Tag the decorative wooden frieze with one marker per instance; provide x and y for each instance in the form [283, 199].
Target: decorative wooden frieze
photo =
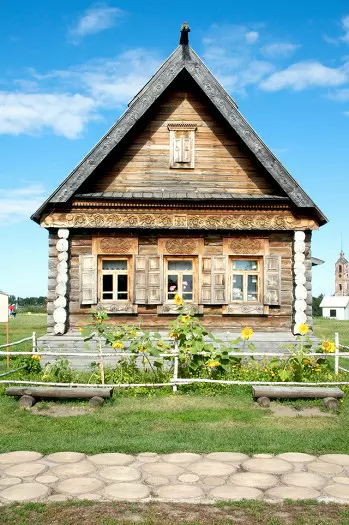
[172, 309]
[118, 308]
[116, 245]
[178, 246]
[224, 221]
[245, 245]
[243, 309]
[60, 303]
[299, 270]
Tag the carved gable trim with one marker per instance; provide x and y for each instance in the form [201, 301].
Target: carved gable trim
[180, 246]
[111, 245]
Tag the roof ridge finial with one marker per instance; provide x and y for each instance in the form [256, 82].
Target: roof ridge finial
[184, 40]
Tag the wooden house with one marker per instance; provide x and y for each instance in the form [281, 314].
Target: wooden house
[180, 196]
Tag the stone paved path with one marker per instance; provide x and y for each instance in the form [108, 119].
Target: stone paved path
[184, 477]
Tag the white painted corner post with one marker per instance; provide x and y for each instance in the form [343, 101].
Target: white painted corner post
[175, 367]
[60, 303]
[299, 271]
[336, 354]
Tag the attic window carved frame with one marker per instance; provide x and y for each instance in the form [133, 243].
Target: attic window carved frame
[182, 144]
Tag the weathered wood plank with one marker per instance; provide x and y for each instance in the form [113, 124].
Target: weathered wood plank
[291, 392]
[59, 392]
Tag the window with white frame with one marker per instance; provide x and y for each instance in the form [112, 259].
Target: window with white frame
[182, 144]
[115, 280]
[179, 276]
[246, 280]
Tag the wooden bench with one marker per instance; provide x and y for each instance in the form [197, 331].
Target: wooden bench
[330, 396]
[29, 395]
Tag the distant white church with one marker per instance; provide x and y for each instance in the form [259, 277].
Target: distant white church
[337, 306]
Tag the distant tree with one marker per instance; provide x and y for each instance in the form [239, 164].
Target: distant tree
[11, 299]
[316, 305]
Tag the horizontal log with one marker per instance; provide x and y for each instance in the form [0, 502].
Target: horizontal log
[59, 392]
[289, 392]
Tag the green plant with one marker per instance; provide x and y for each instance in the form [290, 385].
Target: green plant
[60, 371]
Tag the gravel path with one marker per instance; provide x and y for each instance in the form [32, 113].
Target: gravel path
[182, 477]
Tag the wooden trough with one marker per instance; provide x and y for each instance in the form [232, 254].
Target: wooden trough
[330, 396]
[30, 395]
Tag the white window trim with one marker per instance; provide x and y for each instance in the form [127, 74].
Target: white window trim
[245, 274]
[180, 279]
[190, 129]
[115, 273]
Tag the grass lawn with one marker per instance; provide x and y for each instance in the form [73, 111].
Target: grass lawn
[326, 328]
[246, 513]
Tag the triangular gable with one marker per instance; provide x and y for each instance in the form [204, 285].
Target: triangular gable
[182, 58]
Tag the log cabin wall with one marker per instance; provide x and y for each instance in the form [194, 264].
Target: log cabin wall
[276, 318]
[308, 276]
[52, 274]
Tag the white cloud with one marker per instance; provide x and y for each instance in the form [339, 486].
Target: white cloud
[345, 25]
[252, 37]
[279, 49]
[17, 204]
[341, 95]
[307, 74]
[64, 114]
[94, 20]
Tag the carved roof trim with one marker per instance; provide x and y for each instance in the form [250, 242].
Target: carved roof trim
[182, 58]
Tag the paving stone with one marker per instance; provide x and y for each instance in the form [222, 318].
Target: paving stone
[213, 481]
[23, 470]
[13, 458]
[126, 491]
[341, 479]
[282, 492]
[58, 497]
[338, 459]
[235, 493]
[90, 497]
[147, 457]
[111, 459]
[230, 457]
[7, 482]
[188, 478]
[120, 473]
[25, 492]
[296, 457]
[65, 457]
[162, 469]
[322, 467]
[47, 479]
[73, 469]
[76, 486]
[303, 479]
[211, 468]
[269, 466]
[254, 479]
[340, 491]
[263, 456]
[180, 492]
[156, 480]
[183, 457]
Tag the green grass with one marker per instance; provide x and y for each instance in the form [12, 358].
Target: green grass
[326, 328]
[245, 512]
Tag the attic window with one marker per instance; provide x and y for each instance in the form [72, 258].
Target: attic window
[182, 144]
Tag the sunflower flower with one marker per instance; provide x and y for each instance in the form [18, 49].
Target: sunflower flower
[118, 344]
[178, 300]
[328, 346]
[36, 357]
[246, 333]
[213, 364]
[303, 329]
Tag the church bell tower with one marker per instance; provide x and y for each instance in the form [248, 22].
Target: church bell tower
[342, 275]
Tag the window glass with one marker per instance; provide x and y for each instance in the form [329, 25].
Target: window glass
[244, 265]
[333, 313]
[107, 292]
[114, 265]
[172, 285]
[252, 282]
[180, 279]
[238, 288]
[180, 265]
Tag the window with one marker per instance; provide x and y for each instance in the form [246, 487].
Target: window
[115, 285]
[333, 313]
[340, 287]
[182, 142]
[340, 268]
[180, 279]
[245, 280]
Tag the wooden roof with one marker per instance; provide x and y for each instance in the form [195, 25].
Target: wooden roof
[183, 58]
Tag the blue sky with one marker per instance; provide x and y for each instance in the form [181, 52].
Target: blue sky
[68, 70]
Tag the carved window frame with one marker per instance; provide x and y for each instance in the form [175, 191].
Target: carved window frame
[193, 272]
[176, 128]
[245, 273]
[129, 273]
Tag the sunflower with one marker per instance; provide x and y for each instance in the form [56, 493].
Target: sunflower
[246, 333]
[213, 364]
[303, 329]
[178, 300]
[36, 357]
[118, 344]
[173, 334]
[328, 347]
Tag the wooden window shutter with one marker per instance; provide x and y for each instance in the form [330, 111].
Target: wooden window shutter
[177, 150]
[205, 280]
[272, 280]
[148, 279]
[219, 279]
[186, 150]
[140, 279]
[213, 279]
[88, 279]
[154, 291]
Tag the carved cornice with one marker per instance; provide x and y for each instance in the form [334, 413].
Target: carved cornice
[218, 221]
[246, 245]
[121, 245]
[177, 126]
[95, 205]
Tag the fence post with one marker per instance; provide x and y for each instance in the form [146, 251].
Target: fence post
[336, 354]
[175, 367]
[34, 344]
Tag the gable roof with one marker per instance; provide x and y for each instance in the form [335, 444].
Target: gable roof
[334, 301]
[183, 58]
